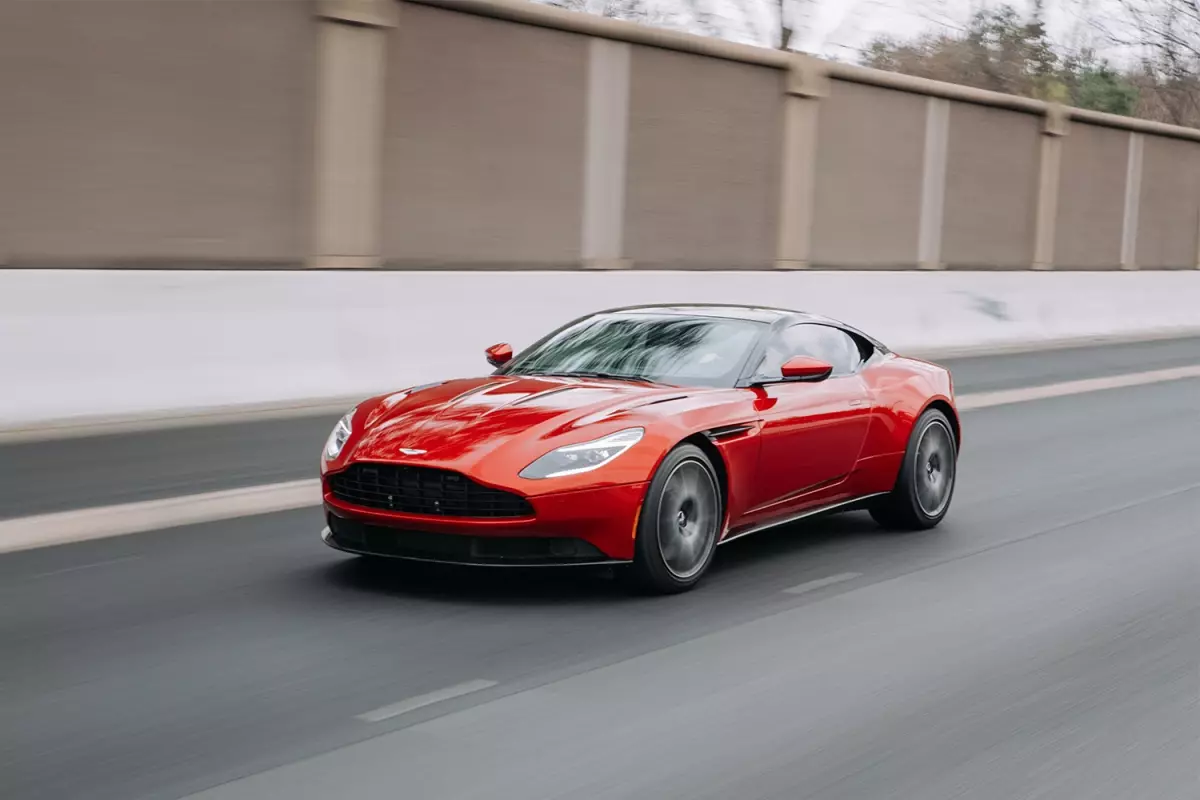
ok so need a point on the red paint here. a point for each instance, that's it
(499, 354)
(806, 368)
(808, 443)
(811, 437)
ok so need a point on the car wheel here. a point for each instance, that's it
(925, 485)
(680, 521)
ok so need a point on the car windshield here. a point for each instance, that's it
(671, 349)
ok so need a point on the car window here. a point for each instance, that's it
(833, 346)
(667, 348)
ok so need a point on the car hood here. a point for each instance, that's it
(459, 422)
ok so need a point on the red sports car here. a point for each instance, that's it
(645, 437)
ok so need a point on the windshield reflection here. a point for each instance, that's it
(684, 351)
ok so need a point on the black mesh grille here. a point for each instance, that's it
(360, 537)
(421, 490)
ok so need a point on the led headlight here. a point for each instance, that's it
(337, 439)
(576, 458)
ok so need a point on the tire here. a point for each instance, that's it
(679, 524)
(925, 486)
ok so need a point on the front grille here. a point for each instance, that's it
(362, 537)
(422, 490)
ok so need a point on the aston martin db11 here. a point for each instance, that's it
(645, 437)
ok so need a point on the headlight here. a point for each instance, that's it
(576, 458)
(337, 439)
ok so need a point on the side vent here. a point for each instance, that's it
(728, 431)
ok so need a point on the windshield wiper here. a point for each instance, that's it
(580, 373)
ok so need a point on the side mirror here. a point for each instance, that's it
(805, 368)
(499, 354)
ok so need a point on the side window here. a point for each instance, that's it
(809, 339)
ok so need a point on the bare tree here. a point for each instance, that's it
(710, 17)
(634, 10)
(1168, 28)
(1165, 36)
(786, 24)
(786, 19)
(695, 16)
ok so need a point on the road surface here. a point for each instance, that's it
(1044, 642)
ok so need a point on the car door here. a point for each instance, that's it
(812, 433)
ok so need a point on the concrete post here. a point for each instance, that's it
(933, 183)
(1133, 202)
(1197, 242)
(605, 155)
(347, 174)
(1055, 127)
(806, 84)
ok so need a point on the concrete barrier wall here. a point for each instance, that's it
(702, 170)
(868, 177)
(484, 142)
(155, 132)
(992, 170)
(1169, 211)
(500, 133)
(1091, 203)
(85, 343)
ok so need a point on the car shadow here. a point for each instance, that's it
(491, 585)
(754, 559)
(799, 538)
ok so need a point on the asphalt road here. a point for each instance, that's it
(41, 477)
(1044, 642)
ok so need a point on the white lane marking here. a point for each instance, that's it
(422, 700)
(79, 567)
(1024, 395)
(96, 523)
(821, 583)
(149, 515)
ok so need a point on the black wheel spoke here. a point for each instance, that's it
(934, 470)
(687, 518)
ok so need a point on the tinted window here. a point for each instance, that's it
(673, 349)
(818, 341)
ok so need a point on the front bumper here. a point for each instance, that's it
(585, 527)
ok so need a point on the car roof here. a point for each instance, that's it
(765, 314)
(755, 313)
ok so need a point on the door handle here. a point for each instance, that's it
(857, 403)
